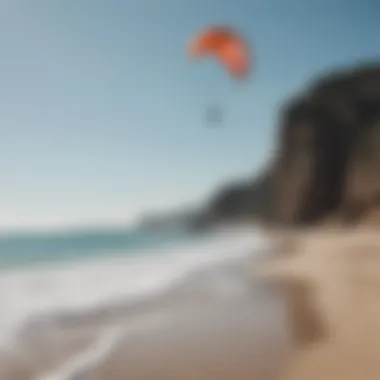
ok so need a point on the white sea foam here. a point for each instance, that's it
(33, 295)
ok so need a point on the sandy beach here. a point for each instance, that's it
(315, 314)
(221, 341)
(338, 320)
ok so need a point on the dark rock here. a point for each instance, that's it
(327, 159)
(241, 201)
(323, 158)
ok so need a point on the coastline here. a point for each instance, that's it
(213, 321)
(217, 340)
(322, 323)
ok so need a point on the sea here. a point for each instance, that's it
(128, 276)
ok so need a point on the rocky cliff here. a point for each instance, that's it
(248, 200)
(328, 158)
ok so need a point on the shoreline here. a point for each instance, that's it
(218, 341)
(311, 311)
(214, 323)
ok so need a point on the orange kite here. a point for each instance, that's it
(225, 44)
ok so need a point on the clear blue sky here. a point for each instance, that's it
(101, 112)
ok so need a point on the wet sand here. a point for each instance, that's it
(233, 345)
(243, 334)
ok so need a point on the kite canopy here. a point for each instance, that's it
(227, 46)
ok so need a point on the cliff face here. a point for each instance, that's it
(327, 163)
(328, 150)
(246, 200)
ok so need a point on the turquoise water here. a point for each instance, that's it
(30, 249)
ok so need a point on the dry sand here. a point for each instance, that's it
(337, 318)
